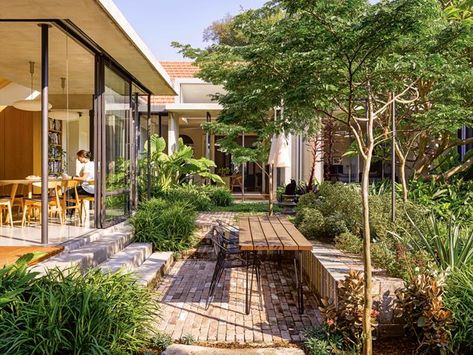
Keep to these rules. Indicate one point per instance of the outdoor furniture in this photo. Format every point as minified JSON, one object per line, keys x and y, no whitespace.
{"x":228,"y":257}
{"x":236,"y":181}
{"x":273,"y":233}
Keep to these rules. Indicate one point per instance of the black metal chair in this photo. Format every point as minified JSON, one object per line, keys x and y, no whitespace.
{"x":229,"y":257}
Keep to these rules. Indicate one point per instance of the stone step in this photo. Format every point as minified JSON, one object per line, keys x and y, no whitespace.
{"x":90,"y":254}
{"x":153,"y":269}
{"x":129,"y":258}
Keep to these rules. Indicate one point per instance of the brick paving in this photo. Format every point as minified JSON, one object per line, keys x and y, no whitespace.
{"x":273,"y":318}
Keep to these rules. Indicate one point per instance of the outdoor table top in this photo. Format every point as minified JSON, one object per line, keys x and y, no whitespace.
{"x":270,"y":233}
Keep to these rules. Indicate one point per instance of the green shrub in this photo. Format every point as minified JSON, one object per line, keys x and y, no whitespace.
{"x":161,"y":341}
{"x":319,"y":340}
{"x":190,"y":194}
{"x":307,"y":200}
{"x":310,"y":223}
{"x":169,"y":225}
{"x":349,"y":242}
{"x":459,"y":300}
{"x":219,"y":195}
{"x":71,"y":313}
{"x":344,"y":199}
{"x":419,"y":304}
{"x":334,"y":225}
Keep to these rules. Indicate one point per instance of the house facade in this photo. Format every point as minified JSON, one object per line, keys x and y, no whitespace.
{"x":72,"y":74}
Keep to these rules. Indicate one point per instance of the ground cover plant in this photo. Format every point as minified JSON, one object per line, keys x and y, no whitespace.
{"x":73,"y":313}
{"x":458,"y":299}
{"x":168,"y":224}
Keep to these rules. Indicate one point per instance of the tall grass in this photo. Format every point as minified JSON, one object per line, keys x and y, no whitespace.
{"x":169,"y":225}
{"x":71,"y":313}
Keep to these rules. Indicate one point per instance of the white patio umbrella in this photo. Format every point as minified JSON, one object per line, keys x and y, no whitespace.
{"x":279,"y":157}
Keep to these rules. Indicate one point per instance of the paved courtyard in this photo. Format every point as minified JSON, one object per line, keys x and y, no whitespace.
{"x":274,"y":316}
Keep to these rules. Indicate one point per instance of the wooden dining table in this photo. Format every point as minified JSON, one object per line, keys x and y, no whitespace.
{"x":28,"y":182}
{"x":272,"y":233}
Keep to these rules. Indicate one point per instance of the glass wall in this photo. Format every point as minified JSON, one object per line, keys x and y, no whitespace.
{"x":71,"y":90}
{"x":118,"y":124}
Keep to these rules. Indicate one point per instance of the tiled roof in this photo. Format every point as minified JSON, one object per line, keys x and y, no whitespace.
{"x":162,"y":100}
{"x":180,"y":69}
{"x":175,"y":70}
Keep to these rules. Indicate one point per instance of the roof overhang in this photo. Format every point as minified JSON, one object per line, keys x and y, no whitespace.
{"x":194,"y":110}
{"x":103,"y":23}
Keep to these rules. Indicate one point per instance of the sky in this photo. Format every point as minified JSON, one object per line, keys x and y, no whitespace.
{"x":159,"y":22}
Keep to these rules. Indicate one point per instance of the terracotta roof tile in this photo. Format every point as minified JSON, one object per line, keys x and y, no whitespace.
{"x":180,"y":69}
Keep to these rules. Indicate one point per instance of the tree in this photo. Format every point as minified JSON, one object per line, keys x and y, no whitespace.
{"x":340,"y":60}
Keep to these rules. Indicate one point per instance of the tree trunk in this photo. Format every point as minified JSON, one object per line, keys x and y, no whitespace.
{"x":402,"y":170}
{"x":368,"y":304}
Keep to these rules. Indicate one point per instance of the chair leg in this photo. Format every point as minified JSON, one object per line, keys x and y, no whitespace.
{"x":23,"y":219}
{"x":10,"y":215}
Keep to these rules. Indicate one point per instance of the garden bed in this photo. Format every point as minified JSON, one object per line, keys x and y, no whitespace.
{"x":325,"y":266}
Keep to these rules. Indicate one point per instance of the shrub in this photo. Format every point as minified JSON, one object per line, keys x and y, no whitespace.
{"x":247,"y":207}
{"x":344,"y":199}
{"x":346,"y":319}
{"x":71,"y":313}
{"x":459,"y":300}
{"x":349,"y":242}
{"x":307,"y":200}
{"x":334,"y":225}
{"x":219,"y":195}
{"x":169,"y":225}
{"x":310,"y":223}
{"x":319,"y":340}
{"x":190,"y":194}
{"x":450,"y":243}
{"x":420,"y":306}
{"x":161,"y":341}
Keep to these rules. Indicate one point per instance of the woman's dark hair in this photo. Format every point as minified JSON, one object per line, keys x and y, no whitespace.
{"x":84,"y":154}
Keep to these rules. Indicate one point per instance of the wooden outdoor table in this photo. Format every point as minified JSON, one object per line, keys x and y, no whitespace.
{"x":272,"y":233}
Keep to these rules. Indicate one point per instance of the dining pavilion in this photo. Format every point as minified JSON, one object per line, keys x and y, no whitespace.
{"x":72,"y":73}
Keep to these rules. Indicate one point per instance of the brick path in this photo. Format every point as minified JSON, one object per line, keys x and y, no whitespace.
{"x":274,"y":316}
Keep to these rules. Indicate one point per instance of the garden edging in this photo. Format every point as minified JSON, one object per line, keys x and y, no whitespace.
{"x":325,"y":266}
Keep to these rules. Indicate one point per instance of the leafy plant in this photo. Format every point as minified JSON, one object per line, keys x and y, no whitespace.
{"x":15,"y":279}
{"x":450,"y":244}
{"x":421,"y":307}
{"x":169,"y":225}
{"x":161,"y":341}
{"x":72,"y":313}
{"x":173,"y":170}
{"x":187,"y":193}
{"x":345,"y":318}
{"x":187,"y":339}
{"x":246,"y":207}
{"x":310,"y":223}
{"x":320,"y":341}
{"x":219,"y":196}
{"x":349,"y":242}
{"x":458,"y":298}
{"x":445,"y":200}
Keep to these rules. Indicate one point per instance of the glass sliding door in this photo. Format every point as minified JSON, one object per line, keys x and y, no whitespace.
{"x":117,"y":147}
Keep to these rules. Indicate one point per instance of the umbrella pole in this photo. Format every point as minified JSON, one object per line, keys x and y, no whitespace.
{"x":270,"y":207}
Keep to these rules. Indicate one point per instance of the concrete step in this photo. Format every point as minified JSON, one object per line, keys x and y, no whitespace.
{"x":153,"y":269}
{"x":90,"y":254}
{"x":129,"y":258}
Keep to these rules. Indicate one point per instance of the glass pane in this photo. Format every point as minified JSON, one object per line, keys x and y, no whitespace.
{"x":117,"y":145}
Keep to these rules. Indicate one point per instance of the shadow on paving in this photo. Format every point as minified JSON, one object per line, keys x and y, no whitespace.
{"x":274,"y":316}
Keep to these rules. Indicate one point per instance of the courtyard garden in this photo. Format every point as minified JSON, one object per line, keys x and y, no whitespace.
{"x":396,"y":78}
